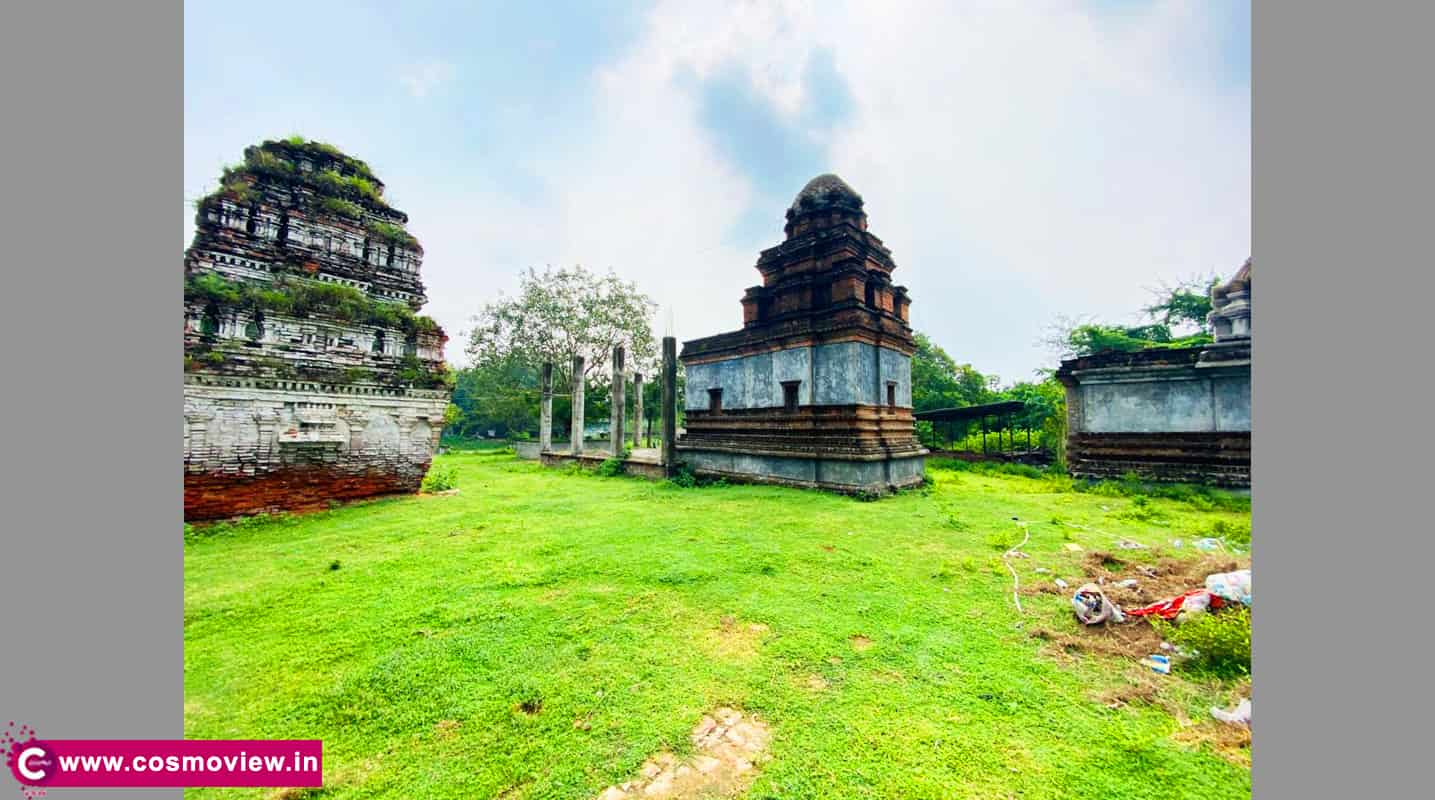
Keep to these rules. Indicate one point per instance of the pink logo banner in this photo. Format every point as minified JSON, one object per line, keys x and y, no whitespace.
{"x":158,"y":763}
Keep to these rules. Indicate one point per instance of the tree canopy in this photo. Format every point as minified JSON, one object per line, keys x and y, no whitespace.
{"x":559,"y":314}
{"x":1177,"y":318}
{"x":556,"y":315}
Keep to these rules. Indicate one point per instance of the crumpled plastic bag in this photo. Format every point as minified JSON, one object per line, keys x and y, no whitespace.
{"x":1196,"y":601}
{"x":1240,"y":715}
{"x":1093,"y":608}
{"x":1231,"y":586}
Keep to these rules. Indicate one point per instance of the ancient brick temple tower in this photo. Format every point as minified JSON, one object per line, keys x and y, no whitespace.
{"x":308,"y":375}
{"x":816,"y":389}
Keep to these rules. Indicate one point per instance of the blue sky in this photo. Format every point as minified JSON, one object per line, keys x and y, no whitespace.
{"x":1025,"y":162}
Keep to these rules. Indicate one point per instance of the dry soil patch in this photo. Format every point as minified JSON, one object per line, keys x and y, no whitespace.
{"x":727,"y":747}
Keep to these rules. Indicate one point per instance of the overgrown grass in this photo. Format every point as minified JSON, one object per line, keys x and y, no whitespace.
{"x":1202,"y":498}
{"x":463,"y":636}
{"x":461,"y":444}
{"x":440,"y":478}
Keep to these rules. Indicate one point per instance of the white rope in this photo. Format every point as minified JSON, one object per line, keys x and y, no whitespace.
{"x":1015,"y":581}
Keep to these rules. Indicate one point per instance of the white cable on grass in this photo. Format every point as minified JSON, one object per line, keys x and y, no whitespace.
{"x":1015,"y":581}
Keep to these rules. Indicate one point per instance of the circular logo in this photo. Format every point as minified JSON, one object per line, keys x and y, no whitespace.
{"x":33,"y":763}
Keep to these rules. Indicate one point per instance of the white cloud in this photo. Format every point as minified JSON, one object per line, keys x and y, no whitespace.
{"x":422,"y":79}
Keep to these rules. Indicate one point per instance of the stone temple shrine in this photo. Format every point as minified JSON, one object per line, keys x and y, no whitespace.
{"x":816,"y":388}
{"x":308,"y":376}
{"x":1172,"y":414}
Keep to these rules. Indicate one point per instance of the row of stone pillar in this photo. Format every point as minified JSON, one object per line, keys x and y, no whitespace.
{"x":669,"y":379}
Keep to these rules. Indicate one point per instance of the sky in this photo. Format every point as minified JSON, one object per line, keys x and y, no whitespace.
{"x":1025,"y":162}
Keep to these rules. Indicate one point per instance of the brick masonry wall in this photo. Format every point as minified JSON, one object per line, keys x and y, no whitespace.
{"x":255,"y":445}
{"x":1223,"y":459}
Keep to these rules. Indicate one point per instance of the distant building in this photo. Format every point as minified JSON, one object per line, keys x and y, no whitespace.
{"x":816,"y":389}
{"x":1179,"y":414}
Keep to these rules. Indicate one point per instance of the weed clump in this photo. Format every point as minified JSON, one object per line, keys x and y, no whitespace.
{"x":683,"y":477}
{"x":440,"y":479}
{"x":1141,"y":510}
{"x":1220,"y":642}
{"x":610,"y":468}
{"x":1231,"y":532}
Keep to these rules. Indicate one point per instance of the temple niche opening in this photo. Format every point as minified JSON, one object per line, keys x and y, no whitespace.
{"x":816,"y":388}
{"x":309,"y":377}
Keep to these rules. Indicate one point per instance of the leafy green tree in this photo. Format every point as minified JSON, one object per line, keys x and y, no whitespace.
{"x":939,"y":382}
{"x":556,"y":315}
{"x":1178,"y":319}
{"x":1185,"y":304}
{"x":559,"y":314}
{"x":501,"y":396}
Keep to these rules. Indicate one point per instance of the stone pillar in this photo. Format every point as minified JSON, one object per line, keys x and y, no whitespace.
{"x":577,"y":435}
{"x":545,"y":411}
{"x":670,"y":391}
{"x":637,"y":410}
{"x":615,"y":423}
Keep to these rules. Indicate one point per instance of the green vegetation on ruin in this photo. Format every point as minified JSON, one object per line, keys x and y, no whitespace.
{"x":393,"y":234}
{"x":301,"y":298}
{"x":878,"y":640}
{"x":344,"y":190}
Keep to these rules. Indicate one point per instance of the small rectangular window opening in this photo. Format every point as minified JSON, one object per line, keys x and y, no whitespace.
{"x":715,"y":401}
{"x":789,"y":395}
{"x":891,"y":394}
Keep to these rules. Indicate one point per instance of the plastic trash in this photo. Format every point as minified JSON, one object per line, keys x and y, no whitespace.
{"x":1158,"y":663}
{"x":1176,"y":542}
{"x":1042,"y":571}
{"x":1129,"y":583}
{"x":1073,"y":547}
{"x":1234,"y":587}
{"x":1240,"y":715}
{"x":1061,"y":584}
{"x":1171,"y":607}
{"x":1127,"y":544}
{"x":1208,"y":544}
{"x":1092,"y":607}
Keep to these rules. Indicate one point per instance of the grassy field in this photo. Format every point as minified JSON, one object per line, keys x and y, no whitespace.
{"x":879,"y":640}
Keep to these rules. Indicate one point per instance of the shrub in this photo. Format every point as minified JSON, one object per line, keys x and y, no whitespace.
{"x":302,"y":298}
{"x":1219,"y":642}
{"x":1004,"y":538}
{"x":393,"y":234}
{"x":1141,"y":510}
{"x":440,"y":479}
{"x":329,"y":182}
{"x":263,"y":162}
{"x":683,"y":477}
{"x":610,"y":467}
{"x":341,"y":207}
{"x":1231,"y":532}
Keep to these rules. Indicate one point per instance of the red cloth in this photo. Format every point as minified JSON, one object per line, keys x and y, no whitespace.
{"x":1171,"y":606}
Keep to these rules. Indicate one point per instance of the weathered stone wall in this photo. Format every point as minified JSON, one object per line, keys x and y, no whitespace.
{"x":871,"y":476}
{"x":828,"y":374}
{"x":1170,"y":415}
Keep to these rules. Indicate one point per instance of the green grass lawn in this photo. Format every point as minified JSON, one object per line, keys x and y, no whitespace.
{"x":407,"y":632}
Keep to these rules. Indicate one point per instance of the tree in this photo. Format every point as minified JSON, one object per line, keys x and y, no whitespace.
{"x":1177,"y":319}
{"x":556,"y":315}
{"x":939,"y":382}
{"x":559,"y":314}
{"x":501,"y":396}
{"x":1185,"y":304}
